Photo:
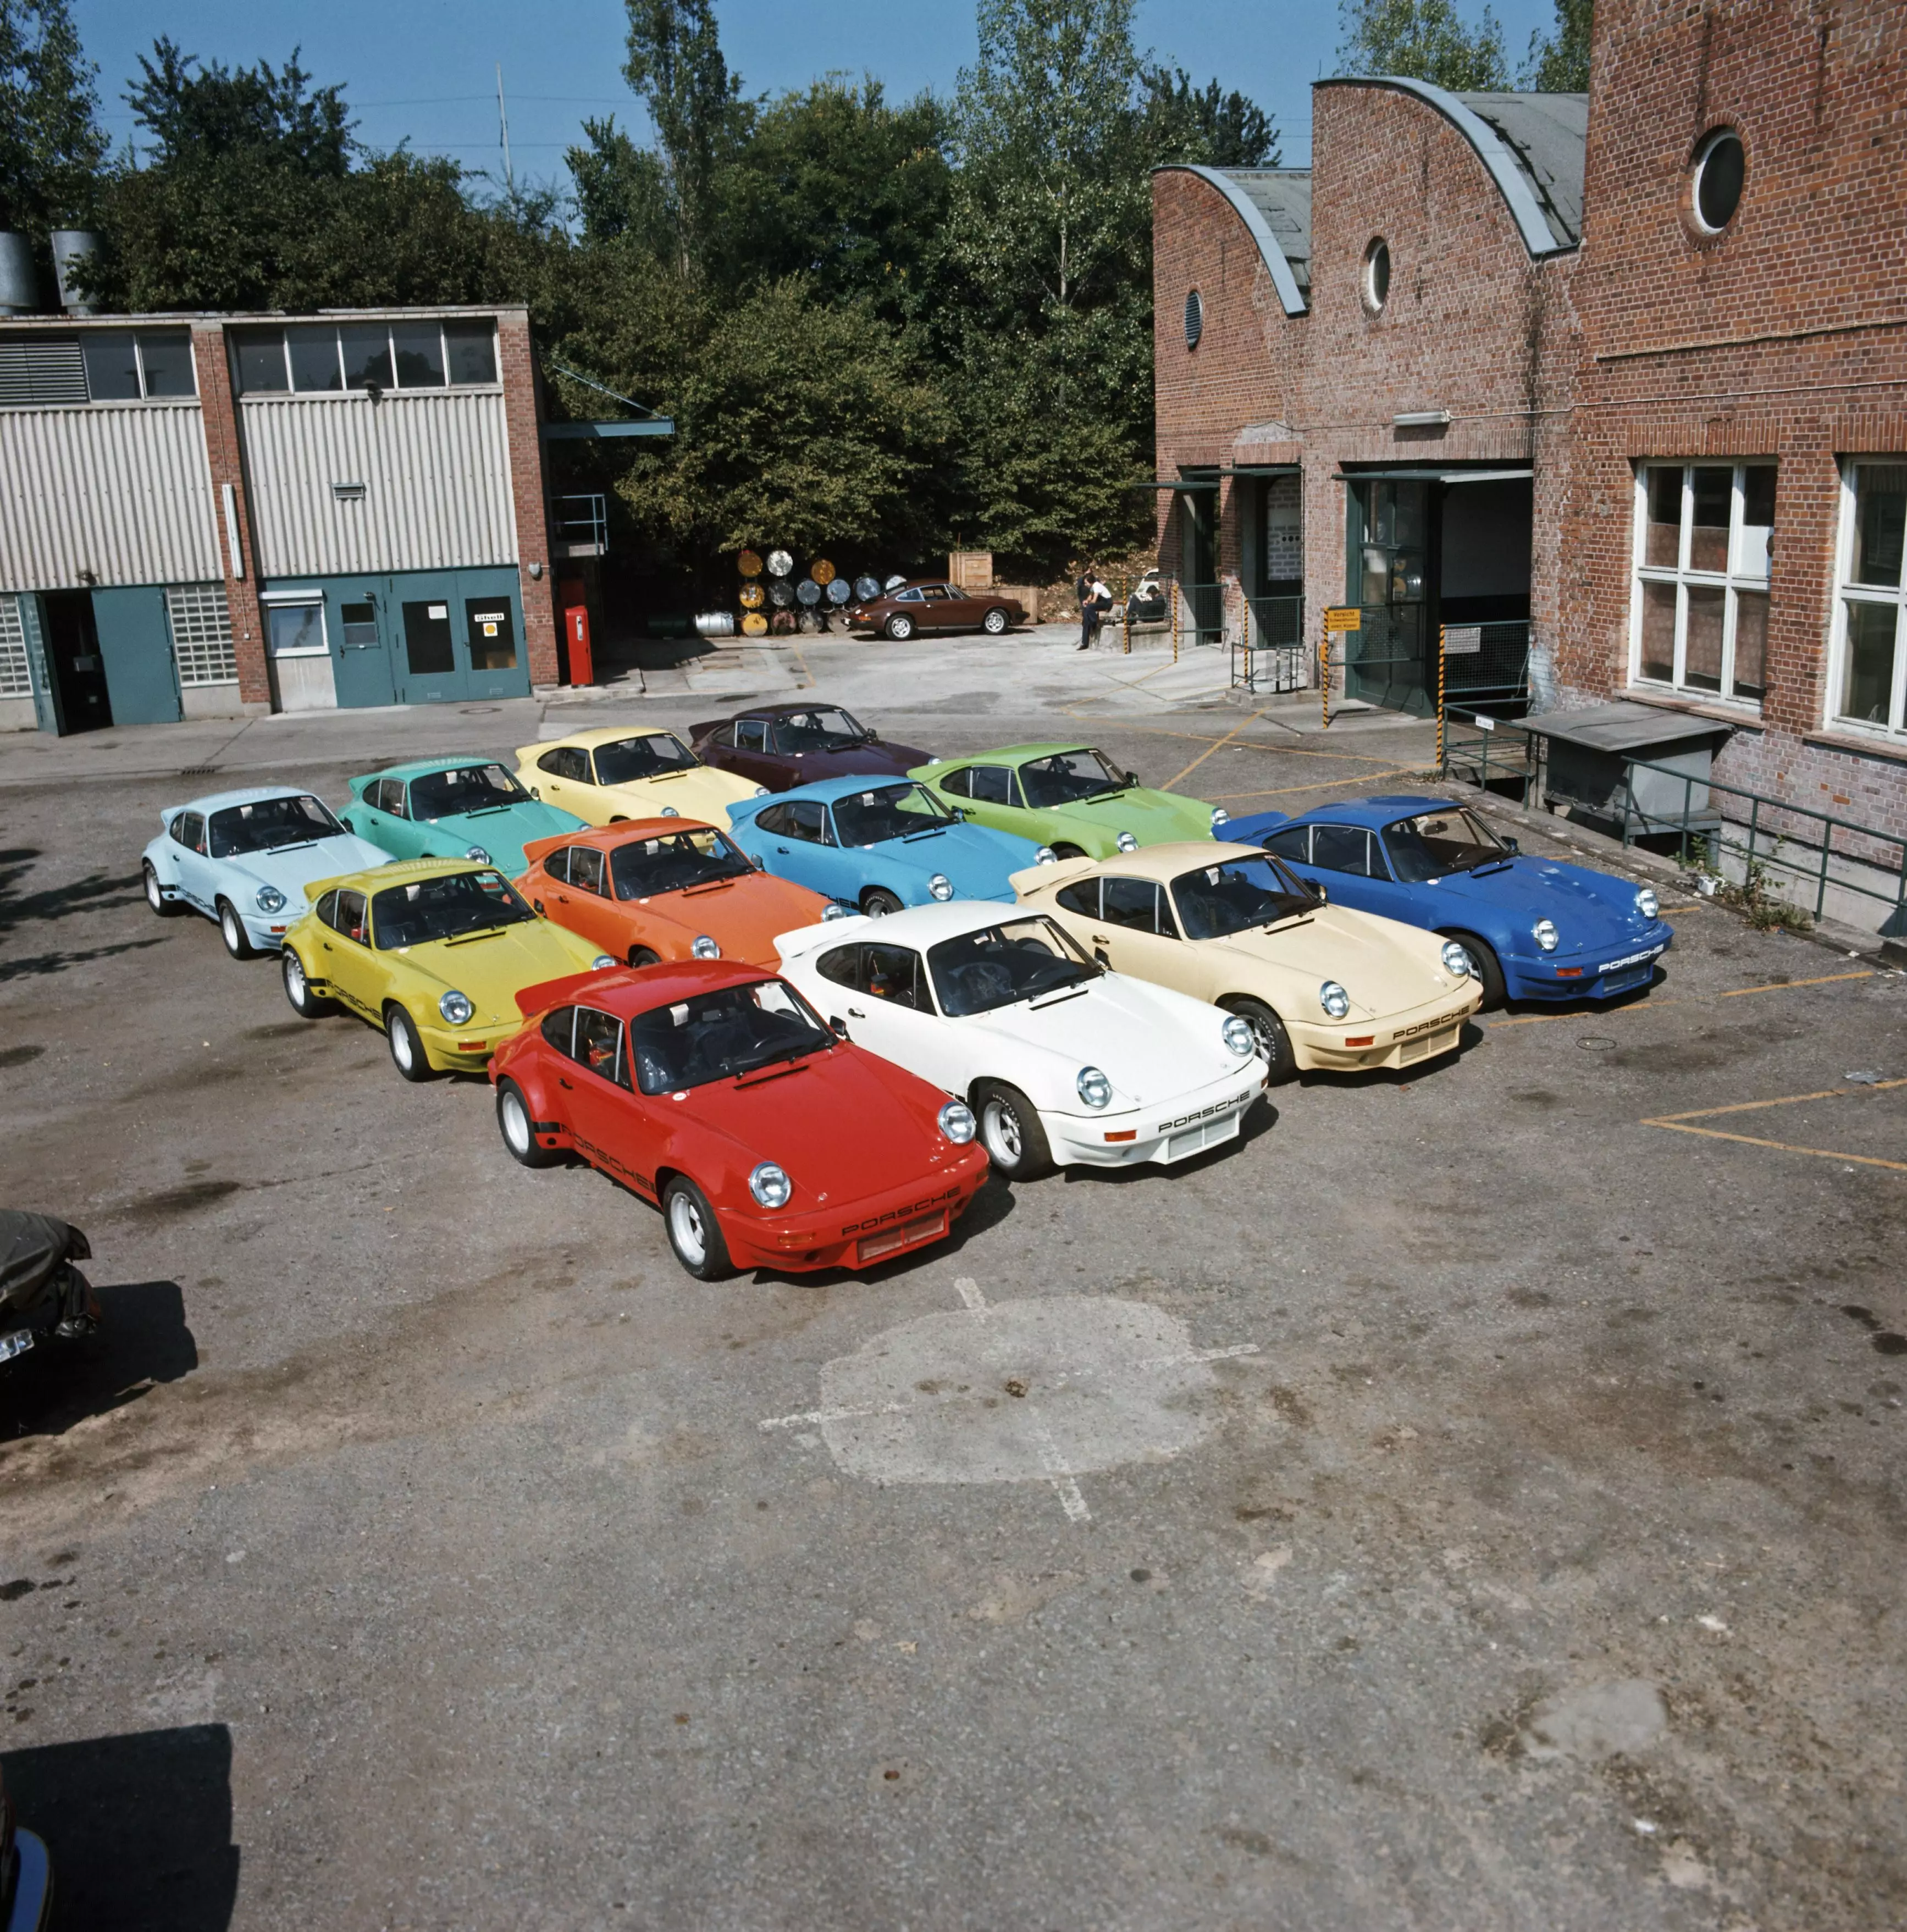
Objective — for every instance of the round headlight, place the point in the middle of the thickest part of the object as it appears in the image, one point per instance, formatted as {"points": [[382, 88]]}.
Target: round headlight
{"points": [[834, 909], [1239, 1037], [1334, 999], [603, 962], [1456, 960], [705, 948], [477, 852], [1544, 933], [669, 811], [1647, 903], [1219, 816], [1128, 843], [1045, 856], [761, 791], [956, 1122], [770, 1186], [455, 1007], [1095, 1089], [941, 886], [270, 899]]}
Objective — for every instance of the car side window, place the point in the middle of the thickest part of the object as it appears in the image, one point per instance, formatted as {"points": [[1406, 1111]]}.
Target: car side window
{"points": [[599, 1044], [1293, 842], [908, 597], [556, 865], [774, 819], [350, 920], [894, 973], [559, 1028], [327, 910], [552, 763], [751, 734], [724, 735], [843, 966], [807, 818], [585, 870], [959, 784], [576, 765], [935, 593], [1341, 848], [1082, 897], [993, 784], [188, 829], [1134, 903]]}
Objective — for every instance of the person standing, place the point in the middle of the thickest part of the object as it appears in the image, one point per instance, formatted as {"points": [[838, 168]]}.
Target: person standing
{"points": [[1088, 610]]}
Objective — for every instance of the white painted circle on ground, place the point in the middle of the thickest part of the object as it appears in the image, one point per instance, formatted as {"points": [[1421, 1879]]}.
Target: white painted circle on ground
{"points": [[1016, 1392]]}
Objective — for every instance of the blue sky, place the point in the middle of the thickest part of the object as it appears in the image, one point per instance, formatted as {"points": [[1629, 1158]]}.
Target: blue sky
{"points": [[427, 68]]}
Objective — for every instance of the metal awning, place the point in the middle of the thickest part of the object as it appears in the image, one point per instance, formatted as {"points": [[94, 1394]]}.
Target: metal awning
{"points": [[1626, 729], [572, 432], [1264, 470], [1179, 483], [1428, 473]]}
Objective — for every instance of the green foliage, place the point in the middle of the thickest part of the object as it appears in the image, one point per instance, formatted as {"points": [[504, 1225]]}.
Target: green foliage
{"points": [[199, 119], [50, 143], [1201, 125], [1423, 40], [1558, 62]]}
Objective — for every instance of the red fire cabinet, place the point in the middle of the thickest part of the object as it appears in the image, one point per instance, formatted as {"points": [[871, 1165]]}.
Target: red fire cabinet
{"points": [[576, 632]]}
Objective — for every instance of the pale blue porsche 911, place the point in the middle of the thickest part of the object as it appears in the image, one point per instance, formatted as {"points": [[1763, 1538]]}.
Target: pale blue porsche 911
{"points": [[243, 858]]}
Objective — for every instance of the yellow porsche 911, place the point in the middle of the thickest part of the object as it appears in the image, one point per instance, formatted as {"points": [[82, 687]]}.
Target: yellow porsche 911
{"points": [[618, 772], [433, 950], [1324, 987]]}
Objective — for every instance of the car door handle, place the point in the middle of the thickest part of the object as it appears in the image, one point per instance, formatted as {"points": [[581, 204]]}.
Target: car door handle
{"points": [[855, 1013], [561, 1082], [563, 898], [783, 850], [1099, 939], [325, 943]]}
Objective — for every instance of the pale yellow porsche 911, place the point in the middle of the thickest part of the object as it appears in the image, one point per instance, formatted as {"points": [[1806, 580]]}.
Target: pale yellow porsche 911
{"points": [[1324, 987], [621, 771]]}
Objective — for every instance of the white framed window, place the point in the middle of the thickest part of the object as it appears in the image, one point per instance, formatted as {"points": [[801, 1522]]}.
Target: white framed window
{"points": [[16, 677], [201, 623], [1699, 616], [295, 624], [336, 358], [1867, 671]]}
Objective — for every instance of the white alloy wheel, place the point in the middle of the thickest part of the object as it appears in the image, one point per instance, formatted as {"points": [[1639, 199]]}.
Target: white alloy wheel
{"points": [[296, 991], [686, 1229], [516, 1118], [231, 929], [154, 897], [994, 622], [999, 1128]]}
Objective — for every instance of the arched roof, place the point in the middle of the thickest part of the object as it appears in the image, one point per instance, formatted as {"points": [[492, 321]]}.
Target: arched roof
{"points": [[1268, 201]]}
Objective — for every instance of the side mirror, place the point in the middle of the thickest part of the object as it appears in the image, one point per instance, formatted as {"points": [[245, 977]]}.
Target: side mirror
{"points": [[536, 791], [1511, 845], [874, 737], [1318, 892], [838, 1028], [755, 860]]}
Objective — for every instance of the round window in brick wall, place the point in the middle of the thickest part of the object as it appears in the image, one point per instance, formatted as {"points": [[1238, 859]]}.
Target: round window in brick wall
{"points": [[1194, 318], [1376, 281], [1721, 167]]}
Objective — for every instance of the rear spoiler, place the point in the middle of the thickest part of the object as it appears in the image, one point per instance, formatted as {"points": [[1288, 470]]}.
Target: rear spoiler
{"points": [[531, 1000], [791, 945], [697, 732], [1054, 872]]}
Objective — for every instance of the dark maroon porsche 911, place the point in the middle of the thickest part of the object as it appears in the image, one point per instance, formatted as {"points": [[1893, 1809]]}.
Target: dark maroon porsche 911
{"points": [[782, 745]]}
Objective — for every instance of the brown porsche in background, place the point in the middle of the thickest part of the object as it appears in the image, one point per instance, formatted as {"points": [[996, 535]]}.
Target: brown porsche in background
{"points": [[933, 603]]}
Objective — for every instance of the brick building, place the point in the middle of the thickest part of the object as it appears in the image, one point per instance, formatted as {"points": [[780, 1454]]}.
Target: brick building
{"points": [[1621, 378], [211, 515]]}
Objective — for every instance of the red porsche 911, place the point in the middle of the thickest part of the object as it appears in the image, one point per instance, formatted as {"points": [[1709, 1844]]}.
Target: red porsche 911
{"points": [[717, 1092]]}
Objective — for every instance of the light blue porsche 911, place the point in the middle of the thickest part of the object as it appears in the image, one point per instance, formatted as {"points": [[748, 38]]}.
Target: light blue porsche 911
{"points": [[879, 844], [243, 858]]}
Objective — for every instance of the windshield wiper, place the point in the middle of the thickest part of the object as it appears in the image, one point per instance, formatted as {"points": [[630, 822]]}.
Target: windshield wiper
{"points": [[1039, 1004], [926, 831], [799, 1052], [1111, 791], [484, 810], [479, 932]]}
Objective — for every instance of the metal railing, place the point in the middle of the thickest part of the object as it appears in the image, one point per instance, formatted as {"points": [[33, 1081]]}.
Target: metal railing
{"points": [[1812, 858], [581, 525], [1391, 660], [1271, 654]]}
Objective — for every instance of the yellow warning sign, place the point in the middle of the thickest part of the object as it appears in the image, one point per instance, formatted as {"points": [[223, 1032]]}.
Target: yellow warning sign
{"points": [[1343, 617]]}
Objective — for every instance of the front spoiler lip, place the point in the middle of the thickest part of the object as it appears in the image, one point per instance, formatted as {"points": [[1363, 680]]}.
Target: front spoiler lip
{"points": [[789, 1242], [1322, 1048], [1207, 1105]]}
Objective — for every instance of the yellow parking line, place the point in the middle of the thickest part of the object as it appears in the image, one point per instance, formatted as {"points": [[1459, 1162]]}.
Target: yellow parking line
{"points": [[1656, 1006], [1782, 985], [1277, 747], [1209, 749], [1322, 785], [1678, 1123]]}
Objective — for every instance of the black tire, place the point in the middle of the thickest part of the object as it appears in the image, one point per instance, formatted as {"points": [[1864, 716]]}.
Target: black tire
{"points": [[1065, 851], [1488, 972], [877, 902], [1274, 1042], [996, 623], [162, 907], [407, 1045], [232, 930], [1010, 1131], [305, 1003], [900, 629], [645, 956], [694, 1233], [514, 1122]]}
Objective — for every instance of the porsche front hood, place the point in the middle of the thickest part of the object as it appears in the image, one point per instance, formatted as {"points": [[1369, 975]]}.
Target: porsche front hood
{"points": [[490, 967], [292, 868], [701, 792], [1152, 817], [1386, 968]]}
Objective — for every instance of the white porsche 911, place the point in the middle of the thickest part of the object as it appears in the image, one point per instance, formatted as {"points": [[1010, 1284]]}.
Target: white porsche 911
{"points": [[1063, 1062]]}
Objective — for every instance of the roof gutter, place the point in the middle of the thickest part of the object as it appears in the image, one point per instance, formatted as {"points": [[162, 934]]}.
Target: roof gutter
{"points": [[1260, 229]]}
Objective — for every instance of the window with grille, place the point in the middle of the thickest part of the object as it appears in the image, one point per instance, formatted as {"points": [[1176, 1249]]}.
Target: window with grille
{"points": [[36, 370], [16, 680], [1869, 679], [201, 623], [1703, 535]]}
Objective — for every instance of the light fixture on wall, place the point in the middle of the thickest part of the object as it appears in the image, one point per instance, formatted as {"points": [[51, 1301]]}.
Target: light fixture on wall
{"points": [[535, 571], [1421, 419]]}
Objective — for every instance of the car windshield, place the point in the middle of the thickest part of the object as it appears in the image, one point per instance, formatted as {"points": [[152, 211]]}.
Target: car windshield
{"points": [[269, 822], [888, 812], [1237, 893], [1018, 959], [818, 731], [642, 758], [464, 789], [670, 864], [1065, 777], [715, 1036], [1435, 844], [444, 907]]}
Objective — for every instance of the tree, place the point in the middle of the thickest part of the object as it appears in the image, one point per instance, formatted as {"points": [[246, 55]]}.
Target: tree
{"points": [[622, 191], [1423, 40], [1558, 62], [1184, 123], [199, 118], [51, 147], [675, 64]]}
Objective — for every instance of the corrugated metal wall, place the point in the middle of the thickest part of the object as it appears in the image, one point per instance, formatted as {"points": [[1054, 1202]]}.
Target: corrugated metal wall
{"points": [[436, 471], [125, 494]]}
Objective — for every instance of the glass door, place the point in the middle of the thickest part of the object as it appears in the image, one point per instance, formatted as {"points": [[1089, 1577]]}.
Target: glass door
{"points": [[495, 670], [431, 674]]}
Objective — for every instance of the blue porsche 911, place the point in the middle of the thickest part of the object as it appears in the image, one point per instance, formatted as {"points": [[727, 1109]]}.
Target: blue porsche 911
{"points": [[878, 844], [1534, 928]]}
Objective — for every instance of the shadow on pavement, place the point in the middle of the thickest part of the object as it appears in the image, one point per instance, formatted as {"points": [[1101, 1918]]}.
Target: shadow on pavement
{"points": [[141, 1340], [139, 1826]]}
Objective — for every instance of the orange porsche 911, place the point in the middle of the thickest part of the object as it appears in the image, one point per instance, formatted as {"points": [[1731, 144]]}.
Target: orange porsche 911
{"points": [[647, 890]]}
